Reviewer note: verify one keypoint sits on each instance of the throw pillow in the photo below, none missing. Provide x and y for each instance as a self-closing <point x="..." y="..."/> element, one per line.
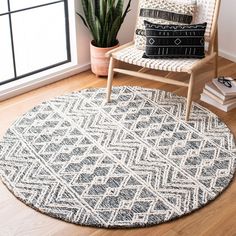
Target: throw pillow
<point x="175" y="41"/>
<point x="161" y="12"/>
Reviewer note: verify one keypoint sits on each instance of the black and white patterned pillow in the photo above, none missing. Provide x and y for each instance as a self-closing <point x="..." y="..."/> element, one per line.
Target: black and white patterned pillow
<point x="162" y="12"/>
<point x="174" y="41"/>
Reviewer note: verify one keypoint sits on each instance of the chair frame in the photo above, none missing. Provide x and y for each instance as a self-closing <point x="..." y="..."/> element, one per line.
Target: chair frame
<point x="212" y="53"/>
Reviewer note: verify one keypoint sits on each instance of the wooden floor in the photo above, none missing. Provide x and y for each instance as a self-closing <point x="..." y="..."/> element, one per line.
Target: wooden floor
<point x="216" y="219"/>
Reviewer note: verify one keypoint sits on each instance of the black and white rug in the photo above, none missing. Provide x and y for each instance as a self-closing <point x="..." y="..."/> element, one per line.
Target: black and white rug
<point x="131" y="163"/>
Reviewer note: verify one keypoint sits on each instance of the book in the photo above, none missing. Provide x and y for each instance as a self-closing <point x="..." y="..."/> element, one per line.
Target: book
<point x="225" y="90"/>
<point x="215" y="91"/>
<point x="211" y="101"/>
<point x="221" y="101"/>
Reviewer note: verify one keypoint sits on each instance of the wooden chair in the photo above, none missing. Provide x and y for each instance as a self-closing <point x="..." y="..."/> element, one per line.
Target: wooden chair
<point x="207" y="11"/>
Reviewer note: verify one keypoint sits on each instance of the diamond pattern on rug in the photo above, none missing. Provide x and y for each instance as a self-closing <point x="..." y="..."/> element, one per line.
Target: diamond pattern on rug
<point x="131" y="163"/>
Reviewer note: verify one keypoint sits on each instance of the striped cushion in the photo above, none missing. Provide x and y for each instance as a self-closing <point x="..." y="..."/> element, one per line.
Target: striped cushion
<point x="175" y="41"/>
<point x="161" y="12"/>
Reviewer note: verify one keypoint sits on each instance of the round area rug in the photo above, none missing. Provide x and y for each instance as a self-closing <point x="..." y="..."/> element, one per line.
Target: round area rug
<point x="131" y="163"/>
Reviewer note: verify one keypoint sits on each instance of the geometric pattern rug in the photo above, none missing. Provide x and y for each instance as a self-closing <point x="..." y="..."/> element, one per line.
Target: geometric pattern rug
<point x="133" y="162"/>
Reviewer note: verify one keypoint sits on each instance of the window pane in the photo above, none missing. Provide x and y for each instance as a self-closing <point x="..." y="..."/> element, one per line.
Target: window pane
<point x="21" y="4"/>
<point x="39" y="38"/>
<point x="3" y="6"/>
<point x="6" y="62"/>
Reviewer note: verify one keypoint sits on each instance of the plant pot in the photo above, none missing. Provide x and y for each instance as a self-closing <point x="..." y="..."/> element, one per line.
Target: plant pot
<point x="99" y="62"/>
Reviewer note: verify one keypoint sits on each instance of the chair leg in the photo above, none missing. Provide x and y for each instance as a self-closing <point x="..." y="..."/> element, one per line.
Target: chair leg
<point x="216" y="67"/>
<point x="189" y="97"/>
<point x="110" y="78"/>
<point x="216" y="49"/>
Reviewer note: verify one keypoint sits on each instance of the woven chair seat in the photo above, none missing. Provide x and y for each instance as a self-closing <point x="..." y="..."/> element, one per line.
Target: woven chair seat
<point x="133" y="56"/>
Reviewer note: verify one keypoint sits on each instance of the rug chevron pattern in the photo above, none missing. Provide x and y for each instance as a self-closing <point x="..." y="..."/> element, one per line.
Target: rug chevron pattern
<point x="131" y="163"/>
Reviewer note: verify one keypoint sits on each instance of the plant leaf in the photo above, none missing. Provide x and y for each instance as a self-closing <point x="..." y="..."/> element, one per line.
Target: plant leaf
<point x="114" y="31"/>
<point x="97" y="7"/>
<point x="83" y="19"/>
<point x="97" y="30"/>
<point x="119" y="8"/>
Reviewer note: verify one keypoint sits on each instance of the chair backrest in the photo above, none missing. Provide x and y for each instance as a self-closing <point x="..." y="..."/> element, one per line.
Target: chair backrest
<point x="207" y="11"/>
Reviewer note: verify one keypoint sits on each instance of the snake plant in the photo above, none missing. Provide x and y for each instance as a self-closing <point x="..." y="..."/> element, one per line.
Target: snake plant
<point x="104" y="18"/>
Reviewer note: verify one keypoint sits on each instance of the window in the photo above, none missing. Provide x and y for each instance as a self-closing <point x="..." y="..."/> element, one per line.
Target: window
<point x="34" y="37"/>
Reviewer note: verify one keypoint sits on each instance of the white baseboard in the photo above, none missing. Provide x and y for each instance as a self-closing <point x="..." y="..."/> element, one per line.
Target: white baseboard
<point x="227" y="55"/>
<point x="13" y="89"/>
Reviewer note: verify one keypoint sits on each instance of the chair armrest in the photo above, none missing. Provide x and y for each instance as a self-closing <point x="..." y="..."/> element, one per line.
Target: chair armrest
<point x="202" y="62"/>
<point x="109" y="53"/>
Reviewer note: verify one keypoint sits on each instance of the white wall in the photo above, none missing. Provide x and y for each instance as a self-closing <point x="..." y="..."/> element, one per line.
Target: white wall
<point x="227" y="29"/>
<point x="127" y="30"/>
<point x="83" y="38"/>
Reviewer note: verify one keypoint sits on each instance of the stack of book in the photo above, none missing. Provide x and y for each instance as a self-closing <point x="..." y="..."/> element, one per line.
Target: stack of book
<point x="219" y="95"/>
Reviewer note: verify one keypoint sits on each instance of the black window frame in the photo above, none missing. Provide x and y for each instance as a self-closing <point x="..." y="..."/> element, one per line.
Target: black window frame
<point x="68" y="46"/>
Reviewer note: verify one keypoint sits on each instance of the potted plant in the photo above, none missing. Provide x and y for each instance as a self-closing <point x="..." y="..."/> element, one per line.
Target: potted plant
<point x="103" y="18"/>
